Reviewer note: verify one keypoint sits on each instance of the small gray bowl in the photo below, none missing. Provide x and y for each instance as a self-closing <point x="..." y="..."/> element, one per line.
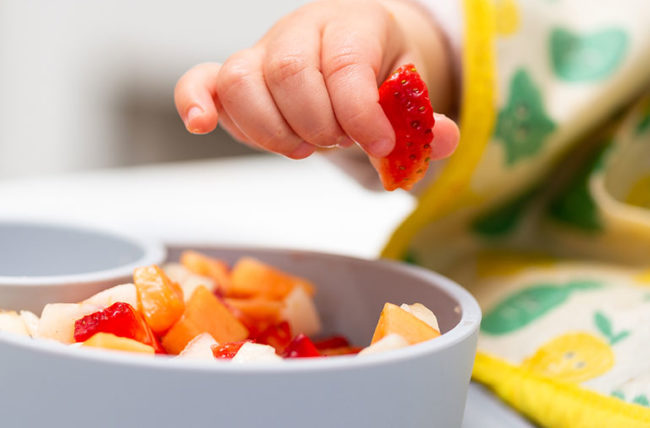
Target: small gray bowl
<point x="43" y="263"/>
<point x="424" y="385"/>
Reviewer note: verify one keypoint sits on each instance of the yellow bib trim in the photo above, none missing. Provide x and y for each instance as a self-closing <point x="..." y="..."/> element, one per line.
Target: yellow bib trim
<point x="555" y="403"/>
<point x="477" y="121"/>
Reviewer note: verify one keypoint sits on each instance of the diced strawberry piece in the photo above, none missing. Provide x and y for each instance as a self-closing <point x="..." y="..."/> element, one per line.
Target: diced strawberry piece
<point x="337" y="341"/>
<point x="120" y="319"/>
<point x="405" y="100"/>
<point x="228" y="350"/>
<point x="278" y="336"/>
<point x="301" y="347"/>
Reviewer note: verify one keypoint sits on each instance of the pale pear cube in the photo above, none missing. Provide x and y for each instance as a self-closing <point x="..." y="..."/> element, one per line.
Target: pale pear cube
<point x="125" y="293"/>
<point x="257" y="353"/>
<point x="199" y="348"/>
<point x="422" y="313"/>
<point x="31" y="322"/>
<point x="388" y="343"/>
<point x="188" y="280"/>
<point x="11" y="322"/>
<point x="300" y="312"/>
<point x="57" y="320"/>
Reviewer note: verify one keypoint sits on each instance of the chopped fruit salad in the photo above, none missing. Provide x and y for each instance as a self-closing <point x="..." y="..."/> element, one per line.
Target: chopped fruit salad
<point x="201" y="308"/>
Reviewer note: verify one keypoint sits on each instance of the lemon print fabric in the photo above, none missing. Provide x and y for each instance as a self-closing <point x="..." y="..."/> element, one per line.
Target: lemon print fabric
<point x="587" y="57"/>
<point x="572" y="357"/>
<point x="507" y="17"/>
<point x="523" y="125"/>
<point x="529" y="304"/>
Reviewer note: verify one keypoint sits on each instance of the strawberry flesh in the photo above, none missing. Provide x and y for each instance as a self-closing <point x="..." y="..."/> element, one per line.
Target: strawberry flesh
<point x="228" y="350"/>
<point x="120" y="319"/>
<point x="405" y="100"/>
<point x="278" y="336"/>
<point x="301" y="347"/>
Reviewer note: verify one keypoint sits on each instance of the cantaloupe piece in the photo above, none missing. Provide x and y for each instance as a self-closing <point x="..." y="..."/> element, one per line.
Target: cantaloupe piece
<point x="423" y="313"/>
<point x="251" y="277"/>
<point x="115" y="343"/>
<point x="160" y="300"/>
<point x="204" y="313"/>
<point x="203" y="265"/>
<point x="187" y="280"/>
<point x="395" y="320"/>
<point x="258" y="309"/>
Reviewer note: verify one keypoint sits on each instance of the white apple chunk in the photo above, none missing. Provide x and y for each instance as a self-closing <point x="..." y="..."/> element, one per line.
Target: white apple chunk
<point x="257" y="353"/>
<point x="199" y="348"/>
<point x="300" y="312"/>
<point x="11" y="322"/>
<point x="125" y="293"/>
<point x="57" y="320"/>
<point x="188" y="280"/>
<point x="387" y="343"/>
<point x="31" y="322"/>
<point x="422" y="313"/>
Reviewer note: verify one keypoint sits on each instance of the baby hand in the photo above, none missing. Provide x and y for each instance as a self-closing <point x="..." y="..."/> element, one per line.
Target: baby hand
<point x="312" y="80"/>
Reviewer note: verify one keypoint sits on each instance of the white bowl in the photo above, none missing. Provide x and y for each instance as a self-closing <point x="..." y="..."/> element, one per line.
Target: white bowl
<point x="424" y="385"/>
<point x="42" y="263"/>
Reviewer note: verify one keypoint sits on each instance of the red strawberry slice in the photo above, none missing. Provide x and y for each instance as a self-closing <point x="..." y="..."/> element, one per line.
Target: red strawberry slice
<point x="120" y="319"/>
<point x="228" y="350"/>
<point x="301" y="347"/>
<point x="405" y="100"/>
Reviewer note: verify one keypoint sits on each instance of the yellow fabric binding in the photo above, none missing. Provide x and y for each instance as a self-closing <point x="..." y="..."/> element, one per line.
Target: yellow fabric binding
<point x="554" y="403"/>
<point x="477" y="120"/>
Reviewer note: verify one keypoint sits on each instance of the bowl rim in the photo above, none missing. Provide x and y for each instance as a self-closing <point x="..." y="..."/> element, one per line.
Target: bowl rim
<point x="153" y="253"/>
<point x="467" y="326"/>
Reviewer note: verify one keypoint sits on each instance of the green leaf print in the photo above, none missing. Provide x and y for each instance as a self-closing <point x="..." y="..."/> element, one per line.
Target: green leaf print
<point x="505" y="218"/>
<point x="410" y="257"/>
<point x="644" y="123"/>
<point x="641" y="400"/>
<point x="529" y="304"/>
<point x="587" y="57"/>
<point x="604" y="325"/>
<point x="575" y="206"/>
<point x="523" y="126"/>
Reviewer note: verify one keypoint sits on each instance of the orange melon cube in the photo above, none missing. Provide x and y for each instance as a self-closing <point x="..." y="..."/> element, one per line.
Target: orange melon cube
<point x="203" y="265"/>
<point x="251" y="277"/>
<point x="395" y="320"/>
<point x="115" y="343"/>
<point x="160" y="300"/>
<point x="204" y="313"/>
<point x="258" y="309"/>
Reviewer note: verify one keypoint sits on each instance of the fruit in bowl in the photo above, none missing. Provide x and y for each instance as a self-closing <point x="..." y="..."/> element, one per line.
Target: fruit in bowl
<point x="201" y="308"/>
<point x="257" y="387"/>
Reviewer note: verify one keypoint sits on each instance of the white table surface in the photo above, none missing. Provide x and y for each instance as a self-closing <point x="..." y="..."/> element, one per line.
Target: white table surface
<point x="264" y="200"/>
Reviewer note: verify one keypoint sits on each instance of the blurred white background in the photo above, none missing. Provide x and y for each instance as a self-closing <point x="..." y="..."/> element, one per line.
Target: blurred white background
<point x="87" y="84"/>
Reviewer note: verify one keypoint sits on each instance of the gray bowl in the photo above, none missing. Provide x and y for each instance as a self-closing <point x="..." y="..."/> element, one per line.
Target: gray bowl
<point x="424" y="385"/>
<point x="42" y="263"/>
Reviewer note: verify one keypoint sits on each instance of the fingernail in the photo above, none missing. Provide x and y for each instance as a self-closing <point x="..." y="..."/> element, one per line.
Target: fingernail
<point x="192" y="114"/>
<point x="380" y="148"/>
<point x="303" y="150"/>
<point x="344" y="141"/>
